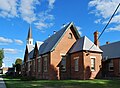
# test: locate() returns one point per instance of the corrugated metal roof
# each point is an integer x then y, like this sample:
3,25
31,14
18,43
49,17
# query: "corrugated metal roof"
84,44
52,41
111,50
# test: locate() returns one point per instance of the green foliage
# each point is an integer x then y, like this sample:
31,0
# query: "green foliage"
1,56
18,61
18,64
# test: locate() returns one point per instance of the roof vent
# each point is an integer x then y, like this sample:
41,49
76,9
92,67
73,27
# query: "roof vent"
54,32
48,35
107,42
64,25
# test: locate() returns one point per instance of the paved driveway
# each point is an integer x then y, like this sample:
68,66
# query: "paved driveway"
2,83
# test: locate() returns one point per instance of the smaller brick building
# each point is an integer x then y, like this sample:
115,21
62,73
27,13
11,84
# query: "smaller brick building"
64,55
83,61
111,59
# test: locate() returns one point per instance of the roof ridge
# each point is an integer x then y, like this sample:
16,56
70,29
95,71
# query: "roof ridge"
66,28
56,32
83,42
51,42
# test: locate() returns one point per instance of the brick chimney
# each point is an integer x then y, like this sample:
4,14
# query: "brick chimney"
96,42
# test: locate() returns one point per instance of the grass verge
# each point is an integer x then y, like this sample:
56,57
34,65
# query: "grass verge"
97,83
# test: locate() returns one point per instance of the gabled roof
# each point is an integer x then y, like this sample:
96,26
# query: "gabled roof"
84,44
30,55
39,43
111,50
30,49
50,43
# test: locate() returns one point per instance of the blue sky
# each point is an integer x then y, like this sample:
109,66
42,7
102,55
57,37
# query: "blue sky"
45,16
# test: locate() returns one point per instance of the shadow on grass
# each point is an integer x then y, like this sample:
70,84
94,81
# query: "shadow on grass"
97,83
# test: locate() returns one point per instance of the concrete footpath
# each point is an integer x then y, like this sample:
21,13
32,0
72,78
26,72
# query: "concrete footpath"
2,83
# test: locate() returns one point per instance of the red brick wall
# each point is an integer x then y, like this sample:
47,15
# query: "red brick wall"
45,75
40,74
62,48
84,71
80,73
87,64
115,72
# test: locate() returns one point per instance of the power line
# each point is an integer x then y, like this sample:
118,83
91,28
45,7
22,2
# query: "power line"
106,25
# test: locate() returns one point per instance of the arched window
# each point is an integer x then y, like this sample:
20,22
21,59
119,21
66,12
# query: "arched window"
70,36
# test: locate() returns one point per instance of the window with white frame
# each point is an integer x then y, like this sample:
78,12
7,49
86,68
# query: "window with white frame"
45,64
119,65
111,68
28,66
63,63
76,60
34,65
92,64
39,69
70,36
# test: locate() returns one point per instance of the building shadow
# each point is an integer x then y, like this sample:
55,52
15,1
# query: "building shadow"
87,73
54,72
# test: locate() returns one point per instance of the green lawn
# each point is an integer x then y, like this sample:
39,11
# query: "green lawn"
97,83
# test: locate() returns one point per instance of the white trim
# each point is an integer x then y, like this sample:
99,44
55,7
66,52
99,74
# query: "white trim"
62,54
76,57
45,55
92,56
39,65
111,65
38,57
76,63
63,58
45,64
28,60
119,66
92,62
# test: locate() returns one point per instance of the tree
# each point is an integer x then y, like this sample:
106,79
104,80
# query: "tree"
18,64
18,61
1,56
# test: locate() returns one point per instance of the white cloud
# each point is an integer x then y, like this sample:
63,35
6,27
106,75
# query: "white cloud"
12,51
45,20
8,8
5,40
51,3
19,42
104,9
116,19
79,30
41,25
41,20
28,11
116,28
97,21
